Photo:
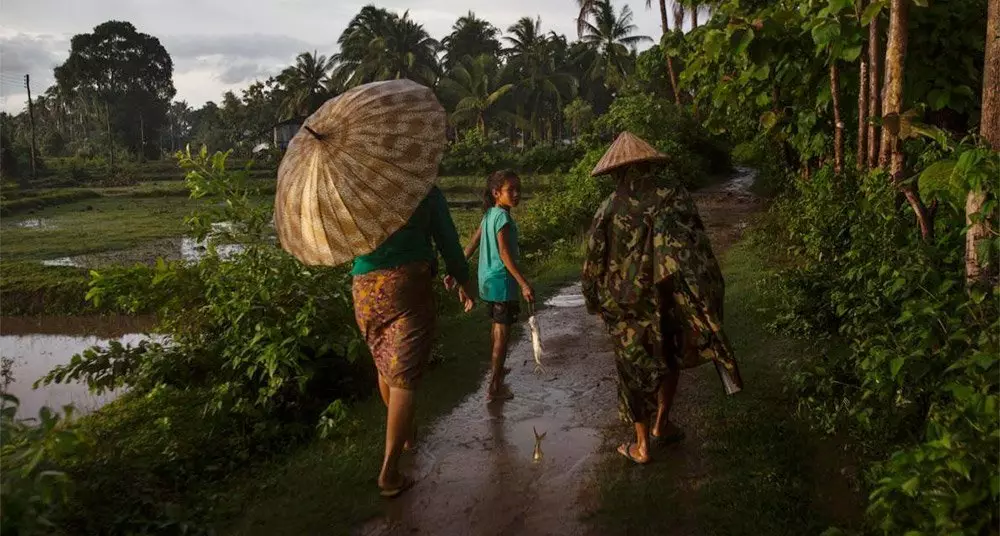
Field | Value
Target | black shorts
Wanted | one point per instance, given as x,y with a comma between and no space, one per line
503,312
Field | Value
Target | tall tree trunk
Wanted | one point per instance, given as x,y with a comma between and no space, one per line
874,91
892,147
838,125
694,16
673,80
862,146
978,269
671,73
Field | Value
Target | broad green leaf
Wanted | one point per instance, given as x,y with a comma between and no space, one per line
938,182
824,34
836,6
850,54
910,486
763,99
896,365
762,72
768,120
871,12
939,98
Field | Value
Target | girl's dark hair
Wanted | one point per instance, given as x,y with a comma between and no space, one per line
495,181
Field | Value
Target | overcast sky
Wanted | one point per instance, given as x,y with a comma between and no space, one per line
217,45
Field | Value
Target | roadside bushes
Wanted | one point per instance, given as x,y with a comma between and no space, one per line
473,153
920,386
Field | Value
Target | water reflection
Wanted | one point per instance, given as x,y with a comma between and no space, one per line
32,356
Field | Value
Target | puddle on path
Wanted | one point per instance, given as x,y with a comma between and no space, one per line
475,469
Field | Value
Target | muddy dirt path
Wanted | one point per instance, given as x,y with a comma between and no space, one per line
475,468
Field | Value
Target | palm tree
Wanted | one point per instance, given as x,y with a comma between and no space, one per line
470,36
305,84
678,10
542,89
475,85
665,26
611,43
379,45
411,52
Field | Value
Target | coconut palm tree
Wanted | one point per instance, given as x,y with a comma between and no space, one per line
470,36
542,89
379,45
305,84
475,85
612,43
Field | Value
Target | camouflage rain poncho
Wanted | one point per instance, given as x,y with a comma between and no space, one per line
651,275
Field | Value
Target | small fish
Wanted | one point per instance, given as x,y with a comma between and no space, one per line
537,455
536,343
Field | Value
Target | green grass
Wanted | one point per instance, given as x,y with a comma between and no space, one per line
94,225
328,487
765,473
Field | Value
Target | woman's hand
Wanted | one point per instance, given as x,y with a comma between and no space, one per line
449,282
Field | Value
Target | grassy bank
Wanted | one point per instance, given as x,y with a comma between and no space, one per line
757,470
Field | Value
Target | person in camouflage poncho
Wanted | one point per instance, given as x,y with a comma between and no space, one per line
652,277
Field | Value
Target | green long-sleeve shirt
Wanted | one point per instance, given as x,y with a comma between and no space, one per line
430,221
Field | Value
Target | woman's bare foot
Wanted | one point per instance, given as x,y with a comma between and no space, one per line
633,452
496,393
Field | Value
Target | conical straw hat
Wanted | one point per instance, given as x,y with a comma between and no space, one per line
357,169
627,149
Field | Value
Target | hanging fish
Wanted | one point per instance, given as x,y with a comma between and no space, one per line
536,339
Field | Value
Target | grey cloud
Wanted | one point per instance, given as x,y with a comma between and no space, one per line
244,72
35,55
242,46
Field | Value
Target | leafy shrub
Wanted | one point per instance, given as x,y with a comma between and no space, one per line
922,378
474,154
34,454
471,153
692,149
257,347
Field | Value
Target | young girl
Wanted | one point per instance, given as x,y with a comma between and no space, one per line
500,279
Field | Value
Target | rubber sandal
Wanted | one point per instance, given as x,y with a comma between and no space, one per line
626,451
392,493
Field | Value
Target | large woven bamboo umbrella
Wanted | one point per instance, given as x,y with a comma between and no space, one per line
357,169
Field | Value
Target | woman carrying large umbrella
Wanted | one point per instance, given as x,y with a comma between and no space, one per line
651,275
357,183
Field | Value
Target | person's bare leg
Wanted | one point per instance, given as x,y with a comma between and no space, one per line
399,425
500,335
383,390
639,450
664,400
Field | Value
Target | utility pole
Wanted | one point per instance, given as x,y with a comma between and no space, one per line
31,122
111,143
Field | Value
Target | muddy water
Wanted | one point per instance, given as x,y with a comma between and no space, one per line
35,345
33,356
475,469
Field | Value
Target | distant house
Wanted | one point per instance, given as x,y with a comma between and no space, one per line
277,136
285,131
